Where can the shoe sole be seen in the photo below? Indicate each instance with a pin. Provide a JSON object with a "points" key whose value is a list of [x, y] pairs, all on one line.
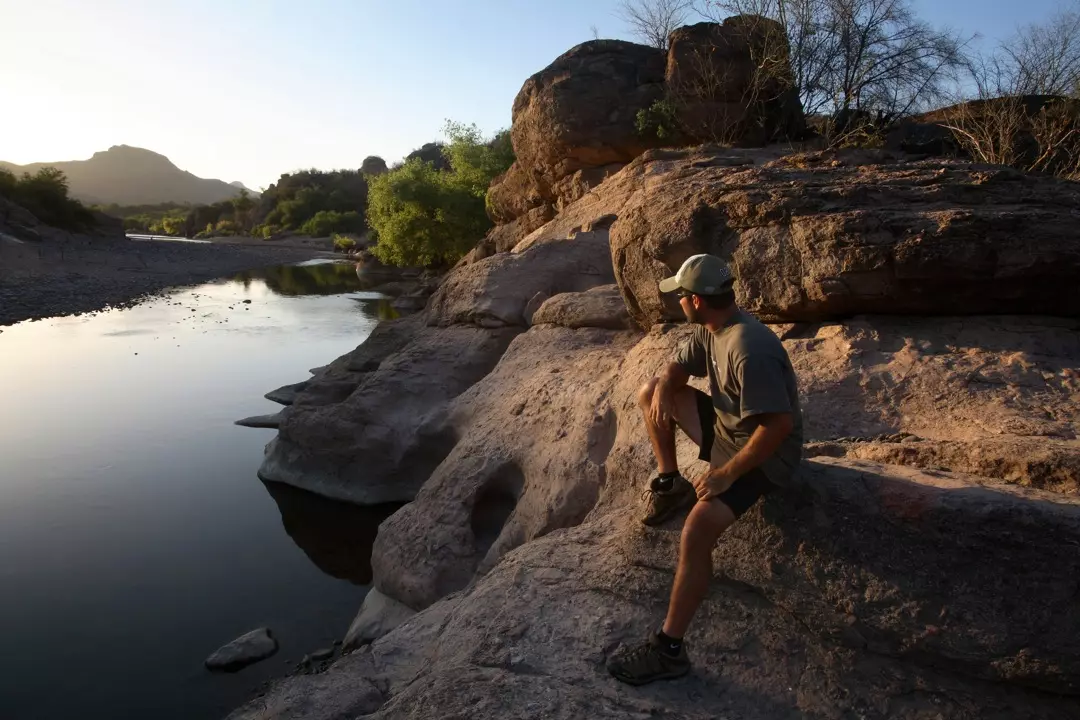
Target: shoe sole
{"points": [[638, 682], [689, 500]]}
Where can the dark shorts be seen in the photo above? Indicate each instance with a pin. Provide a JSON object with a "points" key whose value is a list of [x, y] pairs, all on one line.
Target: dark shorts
{"points": [[749, 488]]}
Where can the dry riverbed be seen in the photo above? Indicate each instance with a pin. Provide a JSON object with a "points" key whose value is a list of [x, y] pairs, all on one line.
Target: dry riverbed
{"points": [[79, 275]]}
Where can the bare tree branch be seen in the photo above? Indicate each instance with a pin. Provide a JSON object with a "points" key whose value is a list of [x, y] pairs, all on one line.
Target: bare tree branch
{"points": [[653, 20]]}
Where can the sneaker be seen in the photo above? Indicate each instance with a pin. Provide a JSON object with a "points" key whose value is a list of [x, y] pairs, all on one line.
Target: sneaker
{"points": [[661, 505], [648, 662]]}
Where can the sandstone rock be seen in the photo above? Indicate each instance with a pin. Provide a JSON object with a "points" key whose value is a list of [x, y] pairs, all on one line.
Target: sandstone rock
{"points": [[318, 696], [716, 73], [533, 438], [376, 439], [600, 307], [243, 651], [261, 421], [498, 288], [378, 616], [373, 165], [579, 112], [835, 234], [533, 305]]}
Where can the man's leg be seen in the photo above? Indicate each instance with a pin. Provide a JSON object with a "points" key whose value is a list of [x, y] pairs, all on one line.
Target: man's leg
{"points": [[662, 436], [706, 521]]}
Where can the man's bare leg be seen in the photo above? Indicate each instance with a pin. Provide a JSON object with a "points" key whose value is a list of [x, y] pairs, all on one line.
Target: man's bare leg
{"points": [[662, 436], [706, 521]]}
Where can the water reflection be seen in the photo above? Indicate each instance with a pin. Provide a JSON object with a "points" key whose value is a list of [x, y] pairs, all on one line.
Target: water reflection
{"points": [[336, 536], [325, 278]]}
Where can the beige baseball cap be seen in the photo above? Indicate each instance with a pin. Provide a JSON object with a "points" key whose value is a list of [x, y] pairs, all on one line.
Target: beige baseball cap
{"points": [[702, 275]]}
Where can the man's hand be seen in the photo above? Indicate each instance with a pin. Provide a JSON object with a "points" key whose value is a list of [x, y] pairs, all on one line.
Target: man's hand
{"points": [[660, 413], [711, 483]]}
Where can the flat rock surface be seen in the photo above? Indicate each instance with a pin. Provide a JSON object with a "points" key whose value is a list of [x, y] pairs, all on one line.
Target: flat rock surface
{"points": [[243, 651]]}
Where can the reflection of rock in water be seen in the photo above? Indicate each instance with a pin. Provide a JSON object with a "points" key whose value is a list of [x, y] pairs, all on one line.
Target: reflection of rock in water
{"points": [[337, 536], [293, 280]]}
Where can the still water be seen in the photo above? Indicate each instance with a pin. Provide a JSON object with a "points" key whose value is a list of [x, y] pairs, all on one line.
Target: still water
{"points": [[135, 537]]}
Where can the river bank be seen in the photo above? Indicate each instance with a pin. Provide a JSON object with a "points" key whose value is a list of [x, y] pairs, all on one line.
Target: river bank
{"points": [[79, 275]]}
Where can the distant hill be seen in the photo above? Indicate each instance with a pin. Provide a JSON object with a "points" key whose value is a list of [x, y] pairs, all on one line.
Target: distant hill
{"points": [[133, 176]]}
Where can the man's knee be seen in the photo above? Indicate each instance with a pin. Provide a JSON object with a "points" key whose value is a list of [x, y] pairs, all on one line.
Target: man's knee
{"points": [[645, 393], [704, 525]]}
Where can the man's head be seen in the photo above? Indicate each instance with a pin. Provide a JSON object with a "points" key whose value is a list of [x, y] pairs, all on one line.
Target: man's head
{"points": [[705, 286]]}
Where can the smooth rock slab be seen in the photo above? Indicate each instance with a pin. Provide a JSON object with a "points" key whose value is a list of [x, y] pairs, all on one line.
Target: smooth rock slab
{"points": [[378, 616], [243, 651], [286, 394], [261, 421]]}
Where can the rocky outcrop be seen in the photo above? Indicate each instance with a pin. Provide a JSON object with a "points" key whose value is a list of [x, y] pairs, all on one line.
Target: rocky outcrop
{"points": [[732, 82], [373, 165], [432, 154], [600, 307], [834, 234], [378, 616]]}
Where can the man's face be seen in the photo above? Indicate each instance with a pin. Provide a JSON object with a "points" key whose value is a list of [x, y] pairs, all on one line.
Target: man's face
{"points": [[686, 302]]}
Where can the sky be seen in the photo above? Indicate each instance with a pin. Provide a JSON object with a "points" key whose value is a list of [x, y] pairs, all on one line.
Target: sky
{"points": [[249, 89]]}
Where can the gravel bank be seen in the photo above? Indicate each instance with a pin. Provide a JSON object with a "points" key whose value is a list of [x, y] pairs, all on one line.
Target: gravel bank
{"points": [[47, 279]]}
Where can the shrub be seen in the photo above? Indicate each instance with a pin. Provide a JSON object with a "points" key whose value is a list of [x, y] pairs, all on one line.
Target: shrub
{"points": [[327, 222], [343, 243], [45, 194]]}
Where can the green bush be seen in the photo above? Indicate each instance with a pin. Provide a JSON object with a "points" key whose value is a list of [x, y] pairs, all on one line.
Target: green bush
{"points": [[343, 243], [45, 194], [424, 216], [327, 222], [659, 119]]}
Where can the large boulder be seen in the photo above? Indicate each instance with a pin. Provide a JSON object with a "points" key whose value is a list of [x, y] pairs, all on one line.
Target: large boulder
{"points": [[732, 82], [366, 429], [373, 165], [830, 235], [533, 438]]}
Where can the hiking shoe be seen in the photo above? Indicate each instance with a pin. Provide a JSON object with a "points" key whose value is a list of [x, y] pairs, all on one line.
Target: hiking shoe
{"points": [[648, 662], [661, 505]]}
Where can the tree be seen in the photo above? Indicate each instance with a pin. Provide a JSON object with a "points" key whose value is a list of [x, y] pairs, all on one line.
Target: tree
{"points": [[860, 55], [1039, 59], [653, 20], [423, 215]]}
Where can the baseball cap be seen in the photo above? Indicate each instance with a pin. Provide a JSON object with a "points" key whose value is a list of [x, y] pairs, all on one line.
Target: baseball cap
{"points": [[700, 274]]}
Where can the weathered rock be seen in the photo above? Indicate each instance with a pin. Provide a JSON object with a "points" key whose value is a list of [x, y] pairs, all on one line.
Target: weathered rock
{"points": [[286, 394], [494, 292], [530, 458], [243, 651], [261, 421], [431, 153], [580, 111], [732, 82], [319, 696], [533, 305], [379, 439], [600, 307], [378, 616], [373, 165], [835, 234]]}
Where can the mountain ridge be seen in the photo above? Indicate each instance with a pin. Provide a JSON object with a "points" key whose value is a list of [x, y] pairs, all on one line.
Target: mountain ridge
{"points": [[128, 175]]}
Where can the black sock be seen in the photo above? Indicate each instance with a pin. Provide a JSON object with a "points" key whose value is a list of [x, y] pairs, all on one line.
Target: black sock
{"points": [[666, 480], [671, 646]]}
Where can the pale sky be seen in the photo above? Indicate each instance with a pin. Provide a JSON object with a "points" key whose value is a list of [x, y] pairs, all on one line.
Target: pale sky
{"points": [[249, 89]]}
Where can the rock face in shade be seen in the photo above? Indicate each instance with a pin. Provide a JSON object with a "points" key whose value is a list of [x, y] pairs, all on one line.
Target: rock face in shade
{"points": [[243, 651], [377, 617]]}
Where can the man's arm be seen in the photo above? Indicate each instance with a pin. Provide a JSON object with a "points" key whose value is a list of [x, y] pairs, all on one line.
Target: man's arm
{"points": [[673, 378], [765, 440]]}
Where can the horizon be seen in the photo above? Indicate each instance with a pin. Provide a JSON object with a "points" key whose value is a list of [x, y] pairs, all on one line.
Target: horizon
{"points": [[314, 76]]}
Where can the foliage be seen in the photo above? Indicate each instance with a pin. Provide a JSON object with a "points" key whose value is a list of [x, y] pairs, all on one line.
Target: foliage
{"points": [[658, 119], [425, 216], [327, 222], [343, 243], [45, 194], [297, 198]]}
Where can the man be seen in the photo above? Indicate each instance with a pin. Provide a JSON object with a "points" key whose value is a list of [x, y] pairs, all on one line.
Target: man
{"points": [[749, 429]]}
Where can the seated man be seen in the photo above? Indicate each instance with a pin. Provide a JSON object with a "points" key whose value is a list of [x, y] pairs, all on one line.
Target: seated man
{"points": [[749, 429]]}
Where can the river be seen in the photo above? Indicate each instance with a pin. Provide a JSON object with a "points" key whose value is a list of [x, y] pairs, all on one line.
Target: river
{"points": [[135, 536]]}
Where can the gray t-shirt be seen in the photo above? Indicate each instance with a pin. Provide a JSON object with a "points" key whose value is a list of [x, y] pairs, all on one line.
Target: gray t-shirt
{"points": [[749, 374]]}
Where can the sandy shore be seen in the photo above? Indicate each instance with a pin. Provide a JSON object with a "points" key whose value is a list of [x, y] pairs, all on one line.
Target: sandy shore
{"points": [[52, 278]]}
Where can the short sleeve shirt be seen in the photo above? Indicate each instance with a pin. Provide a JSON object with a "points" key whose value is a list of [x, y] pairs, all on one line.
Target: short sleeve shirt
{"points": [[749, 374]]}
